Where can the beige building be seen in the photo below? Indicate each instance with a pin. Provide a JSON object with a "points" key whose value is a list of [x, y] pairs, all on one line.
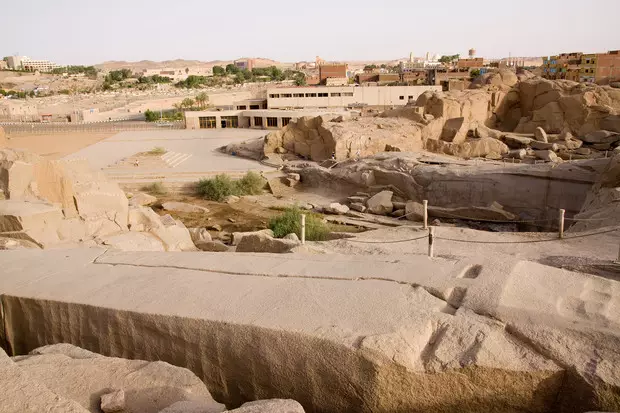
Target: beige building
{"points": [[18, 111], [253, 119], [344, 96]]}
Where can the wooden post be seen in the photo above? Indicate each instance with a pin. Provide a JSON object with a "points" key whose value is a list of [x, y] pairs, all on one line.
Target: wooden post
{"points": [[431, 235], [618, 260], [561, 223], [425, 203], [303, 228]]}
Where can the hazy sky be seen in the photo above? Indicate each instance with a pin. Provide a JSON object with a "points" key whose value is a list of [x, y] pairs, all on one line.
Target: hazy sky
{"points": [[89, 32]]}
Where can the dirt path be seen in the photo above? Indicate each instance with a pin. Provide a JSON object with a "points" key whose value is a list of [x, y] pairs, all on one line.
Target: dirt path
{"points": [[56, 146]]}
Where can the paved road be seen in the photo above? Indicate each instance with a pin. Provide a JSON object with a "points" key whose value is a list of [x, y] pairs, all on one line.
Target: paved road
{"points": [[201, 145]]}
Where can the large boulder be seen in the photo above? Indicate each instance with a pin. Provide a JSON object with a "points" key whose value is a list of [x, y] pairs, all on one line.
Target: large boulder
{"points": [[183, 207], [238, 236], [414, 211], [36, 222], [455, 130], [475, 148], [264, 243], [142, 199], [601, 136], [132, 241], [381, 203], [82, 193], [148, 386], [270, 406], [336, 208], [23, 394], [172, 233]]}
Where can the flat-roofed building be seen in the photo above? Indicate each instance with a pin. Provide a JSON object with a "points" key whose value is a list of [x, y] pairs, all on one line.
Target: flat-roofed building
{"points": [[344, 96], [473, 63], [332, 70], [253, 119]]}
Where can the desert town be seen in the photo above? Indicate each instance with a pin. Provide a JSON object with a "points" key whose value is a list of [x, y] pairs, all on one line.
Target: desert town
{"points": [[432, 233]]}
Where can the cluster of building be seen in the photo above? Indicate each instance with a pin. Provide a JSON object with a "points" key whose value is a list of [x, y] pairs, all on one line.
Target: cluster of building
{"points": [[32, 65], [582, 67]]}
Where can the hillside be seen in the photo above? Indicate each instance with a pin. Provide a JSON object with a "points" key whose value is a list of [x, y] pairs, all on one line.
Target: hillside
{"points": [[181, 63]]}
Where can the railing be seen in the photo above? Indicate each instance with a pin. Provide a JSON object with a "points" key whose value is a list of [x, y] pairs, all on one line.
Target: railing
{"points": [[37, 128]]}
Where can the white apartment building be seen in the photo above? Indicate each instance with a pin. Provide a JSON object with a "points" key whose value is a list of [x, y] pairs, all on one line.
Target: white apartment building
{"points": [[343, 96], [26, 63]]}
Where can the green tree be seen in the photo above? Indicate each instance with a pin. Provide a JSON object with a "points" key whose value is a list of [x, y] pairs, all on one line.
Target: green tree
{"points": [[231, 69], [239, 78], [218, 71], [188, 103], [474, 74], [201, 99]]}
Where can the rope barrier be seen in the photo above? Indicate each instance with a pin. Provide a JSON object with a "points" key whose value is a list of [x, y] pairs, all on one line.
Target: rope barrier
{"points": [[386, 242], [483, 242], [529, 241]]}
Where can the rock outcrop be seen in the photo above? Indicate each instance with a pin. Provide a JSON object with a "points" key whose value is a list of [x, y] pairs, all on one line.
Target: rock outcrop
{"points": [[82, 381], [87, 203], [602, 205]]}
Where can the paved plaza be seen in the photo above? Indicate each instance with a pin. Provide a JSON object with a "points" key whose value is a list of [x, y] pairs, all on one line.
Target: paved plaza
{"points": [[197, 150]]}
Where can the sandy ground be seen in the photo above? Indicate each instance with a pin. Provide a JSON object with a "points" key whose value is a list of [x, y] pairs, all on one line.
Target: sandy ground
{"points": [[56, 146]]}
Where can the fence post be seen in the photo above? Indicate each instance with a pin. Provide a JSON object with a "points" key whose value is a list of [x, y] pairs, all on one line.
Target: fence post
{"points": [[561, 223], [303, 228], [618, 260], [431, 235], [425, 203]]}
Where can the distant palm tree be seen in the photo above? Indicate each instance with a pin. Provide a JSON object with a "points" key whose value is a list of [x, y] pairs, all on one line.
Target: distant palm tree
{"points": [[188, 103], [201, 99]]}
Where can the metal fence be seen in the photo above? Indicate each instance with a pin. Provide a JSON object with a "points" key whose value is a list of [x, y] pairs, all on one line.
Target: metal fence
{"points": [[37, 128]]}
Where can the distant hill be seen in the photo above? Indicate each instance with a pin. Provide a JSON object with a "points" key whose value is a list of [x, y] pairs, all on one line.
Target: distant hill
{"points": [[182, 63]]}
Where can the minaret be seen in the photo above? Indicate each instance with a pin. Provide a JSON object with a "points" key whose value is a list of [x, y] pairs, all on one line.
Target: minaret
{"points": [[411, 57]]}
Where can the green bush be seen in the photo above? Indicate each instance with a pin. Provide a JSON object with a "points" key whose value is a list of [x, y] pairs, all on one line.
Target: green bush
{"points": [[251, 184], [156, 188], [217, 188], [290, 222], [222, 185]]}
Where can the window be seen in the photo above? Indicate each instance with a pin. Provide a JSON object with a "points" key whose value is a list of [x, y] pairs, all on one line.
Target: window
{"points": [[254, 107], [286, 95], [350, 94], [401, 97], [323, 95], [242, 107], [310, 95], [274, 96], [298, 95], [230, 122], [258, 121], [335, 95], [207, 122], [272, 122], [410, 97], [285, 121]]}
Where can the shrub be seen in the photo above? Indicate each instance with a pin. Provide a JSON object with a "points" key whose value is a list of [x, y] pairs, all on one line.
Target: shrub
{"points": [[290, 222], [222, 185], [156, 188], [251, 184], [217, 188], [158, 150]]}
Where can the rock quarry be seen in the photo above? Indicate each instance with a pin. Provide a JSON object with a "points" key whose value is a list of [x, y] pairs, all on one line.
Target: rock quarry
{"points": [[110, 304]]}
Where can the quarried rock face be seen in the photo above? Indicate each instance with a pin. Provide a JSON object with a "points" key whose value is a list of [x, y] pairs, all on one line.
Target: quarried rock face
{"points": [[477, 334]]}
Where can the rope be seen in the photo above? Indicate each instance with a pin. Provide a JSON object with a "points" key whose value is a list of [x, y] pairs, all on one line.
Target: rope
{"points": [[386, 242], [529, 241], [484, 242]]}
